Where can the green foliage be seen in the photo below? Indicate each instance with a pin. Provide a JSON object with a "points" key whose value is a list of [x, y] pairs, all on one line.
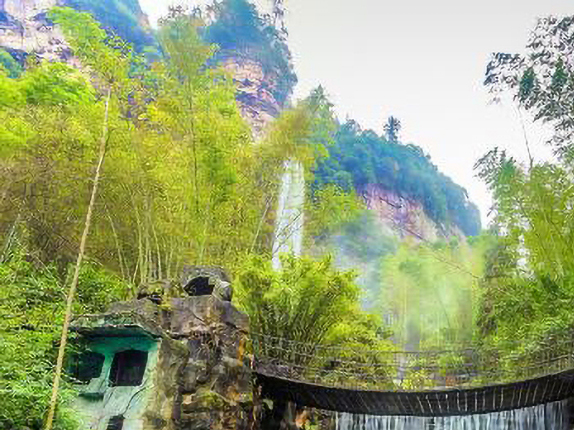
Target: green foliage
{"points": [[528, 291], [183, 182], [360, 157], [10, 90], [329, 208], [239, 30], [307, 301], [173, 142], [32, 305], [533, 209], [311, 303], [55, 84], [123, 18], [428, 292], [10, 64], [541, 80], [303, 133], [108, 57]]}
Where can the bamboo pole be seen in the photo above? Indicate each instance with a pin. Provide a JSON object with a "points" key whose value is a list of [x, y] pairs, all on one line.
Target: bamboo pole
{"points": [[73, 287]]}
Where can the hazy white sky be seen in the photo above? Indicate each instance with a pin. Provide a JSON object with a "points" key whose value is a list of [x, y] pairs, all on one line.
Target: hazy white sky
{"points": [[422, 61]]}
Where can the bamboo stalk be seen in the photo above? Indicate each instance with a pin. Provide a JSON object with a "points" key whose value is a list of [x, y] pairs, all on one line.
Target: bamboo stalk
{"points": [[73, 287]]}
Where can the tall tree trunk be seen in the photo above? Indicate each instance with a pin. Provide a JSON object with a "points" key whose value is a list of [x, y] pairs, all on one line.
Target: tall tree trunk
{"points": [[73, 287]]}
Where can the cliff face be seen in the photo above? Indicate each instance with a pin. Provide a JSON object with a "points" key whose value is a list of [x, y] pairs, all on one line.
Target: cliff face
{"points": [[254, 92], [405, 217], [24, 29]]}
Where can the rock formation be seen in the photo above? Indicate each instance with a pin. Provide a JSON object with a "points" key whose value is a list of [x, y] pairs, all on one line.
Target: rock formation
{"points": [[405, 217], [25, 29], [254, 94], [179, 364]]}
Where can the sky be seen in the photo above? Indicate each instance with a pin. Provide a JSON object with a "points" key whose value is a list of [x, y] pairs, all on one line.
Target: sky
{"points": [[423, 62]]}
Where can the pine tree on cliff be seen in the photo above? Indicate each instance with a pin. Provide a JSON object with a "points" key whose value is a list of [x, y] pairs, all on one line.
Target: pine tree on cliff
{"points": [[392, 129]]}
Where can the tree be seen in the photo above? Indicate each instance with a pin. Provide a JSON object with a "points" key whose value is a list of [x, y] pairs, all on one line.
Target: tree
{"points": [[428, 291], [527, 290], [532, 210], [526, 295], [392, 128], [302, 302], [542, 80], [307, 301]]}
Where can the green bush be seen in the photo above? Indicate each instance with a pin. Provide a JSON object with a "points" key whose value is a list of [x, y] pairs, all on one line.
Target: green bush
{"points": [[32, 303]]}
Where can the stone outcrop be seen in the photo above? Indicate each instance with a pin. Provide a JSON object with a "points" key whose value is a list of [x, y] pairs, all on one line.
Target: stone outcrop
{"points": [[404, 217], [25, 29], [197, 376], [202, 280], [254, 93]]}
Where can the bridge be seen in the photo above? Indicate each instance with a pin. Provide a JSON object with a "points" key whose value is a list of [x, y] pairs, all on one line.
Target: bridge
{"points": [[413, 383]]}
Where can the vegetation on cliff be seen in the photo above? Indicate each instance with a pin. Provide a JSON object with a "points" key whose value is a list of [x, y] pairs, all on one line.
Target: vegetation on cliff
{"points": [[124, 18], [240, 30], [361, 157]]}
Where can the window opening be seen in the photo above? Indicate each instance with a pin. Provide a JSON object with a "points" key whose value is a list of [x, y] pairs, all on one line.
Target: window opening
{"points": [[128, 368], [87, 366]]}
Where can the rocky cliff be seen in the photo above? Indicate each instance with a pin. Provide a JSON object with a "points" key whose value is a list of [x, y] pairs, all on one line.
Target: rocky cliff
{"points": [[24, 29], [403, 216], [254, 94]]}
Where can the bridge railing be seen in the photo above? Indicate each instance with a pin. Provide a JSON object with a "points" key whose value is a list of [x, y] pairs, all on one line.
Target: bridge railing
{"points": [[392, 370]]}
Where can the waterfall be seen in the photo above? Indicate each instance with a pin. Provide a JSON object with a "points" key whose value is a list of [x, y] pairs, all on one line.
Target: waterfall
{"points": [[288, 237], [551, 416]]}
